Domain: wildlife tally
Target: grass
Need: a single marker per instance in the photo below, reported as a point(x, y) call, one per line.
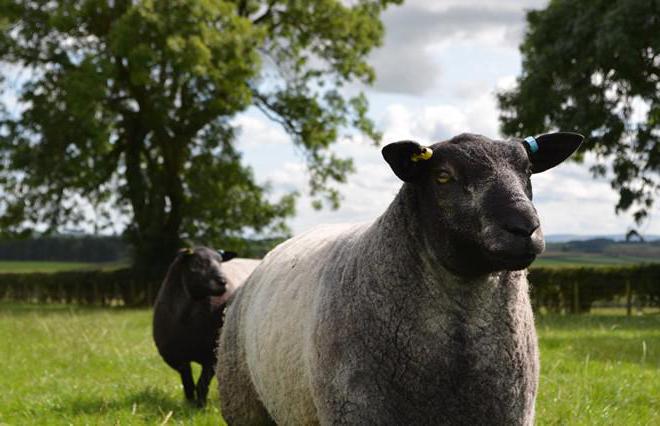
point(88, 366)
point(27, 266)
point(68, 365)
point(576, 259)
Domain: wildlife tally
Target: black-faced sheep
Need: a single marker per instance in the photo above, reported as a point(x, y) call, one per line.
point(188, 312)
point(421, 317)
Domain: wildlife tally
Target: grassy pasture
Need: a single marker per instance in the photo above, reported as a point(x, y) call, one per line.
point(28, 266)
point(68, 365)
point(578, 259)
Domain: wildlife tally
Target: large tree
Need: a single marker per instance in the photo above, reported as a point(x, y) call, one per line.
point(593, 66)
point(127, 106)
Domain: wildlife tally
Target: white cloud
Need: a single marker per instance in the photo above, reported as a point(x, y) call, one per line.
point(418, 33)
point(256, 131)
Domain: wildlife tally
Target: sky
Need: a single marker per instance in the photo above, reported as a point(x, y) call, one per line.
point(438, 70)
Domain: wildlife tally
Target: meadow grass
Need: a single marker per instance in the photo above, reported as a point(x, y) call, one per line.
point(28, 266)
point(72, 365)
point(575, 260)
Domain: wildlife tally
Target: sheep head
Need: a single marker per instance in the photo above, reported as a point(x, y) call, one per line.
point(472, 197)
point(201, 271)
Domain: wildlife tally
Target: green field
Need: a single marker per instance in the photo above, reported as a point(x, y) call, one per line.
point(65, 365)
point(577, 259)
point(27, 266)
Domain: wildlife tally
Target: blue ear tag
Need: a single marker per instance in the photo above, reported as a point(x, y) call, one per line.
point(531, 142)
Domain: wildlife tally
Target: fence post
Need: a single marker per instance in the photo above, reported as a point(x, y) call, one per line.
point(628, 298)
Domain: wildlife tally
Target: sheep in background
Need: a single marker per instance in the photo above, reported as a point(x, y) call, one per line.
point(421, 317)
point(188, 312)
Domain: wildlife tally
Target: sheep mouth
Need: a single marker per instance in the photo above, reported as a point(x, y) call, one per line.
point(515, 252)
point(511, 261)
point(220, 298)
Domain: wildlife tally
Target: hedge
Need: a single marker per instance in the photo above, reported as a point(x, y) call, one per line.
point(104, 288)
point(571, 290)
point(575, 290)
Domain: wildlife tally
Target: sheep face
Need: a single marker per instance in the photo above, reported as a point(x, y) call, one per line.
point(473, 198)
point(203, 276)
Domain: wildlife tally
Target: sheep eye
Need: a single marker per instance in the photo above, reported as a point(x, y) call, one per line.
point(444, 176)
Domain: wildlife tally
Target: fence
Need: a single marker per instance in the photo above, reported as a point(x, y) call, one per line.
point(569, 290)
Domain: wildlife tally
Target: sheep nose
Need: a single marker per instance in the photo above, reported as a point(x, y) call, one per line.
point(521, 224)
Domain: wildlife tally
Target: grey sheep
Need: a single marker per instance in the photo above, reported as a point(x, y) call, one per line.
point(421, 317)
point(188, 312)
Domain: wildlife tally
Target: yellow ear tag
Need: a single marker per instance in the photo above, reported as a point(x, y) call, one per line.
point(424, 155)
point(188, 250)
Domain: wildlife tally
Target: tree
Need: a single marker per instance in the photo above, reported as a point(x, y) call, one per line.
point(128, 105)
point(593, 66)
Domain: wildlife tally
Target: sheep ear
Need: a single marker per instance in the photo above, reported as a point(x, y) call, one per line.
point(227, 255)
point(548, 150)
point(407, 159)
point(185, 252)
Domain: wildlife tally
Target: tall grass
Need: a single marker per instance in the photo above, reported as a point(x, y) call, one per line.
point(66, 365)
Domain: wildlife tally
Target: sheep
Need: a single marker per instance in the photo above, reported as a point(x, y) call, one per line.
point(188, 312)
point(421, 317)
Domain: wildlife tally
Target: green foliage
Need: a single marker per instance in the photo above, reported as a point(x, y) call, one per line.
point(73, 365)
point(127, 106)
point(112, 287)
point(586, 64)
point(84, 248)
point(575, 289)
point(565, 289)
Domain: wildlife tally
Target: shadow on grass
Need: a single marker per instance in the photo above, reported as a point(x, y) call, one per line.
point(150, 404)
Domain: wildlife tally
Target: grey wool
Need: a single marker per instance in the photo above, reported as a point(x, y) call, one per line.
point(421, 317)
point(188, 312)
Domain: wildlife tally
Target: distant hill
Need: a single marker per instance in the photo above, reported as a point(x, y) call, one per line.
point(561, 238)
point(599, 252)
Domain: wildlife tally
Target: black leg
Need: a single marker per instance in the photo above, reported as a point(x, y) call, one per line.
point(203, 383)
point(187, 380)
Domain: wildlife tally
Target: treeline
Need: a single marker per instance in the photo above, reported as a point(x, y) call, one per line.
point(577, 290)
point(650, 249)
point(65, 249)
point(564, 290)
point(90, 248)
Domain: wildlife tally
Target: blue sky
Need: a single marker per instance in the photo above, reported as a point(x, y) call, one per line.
point(438, 71)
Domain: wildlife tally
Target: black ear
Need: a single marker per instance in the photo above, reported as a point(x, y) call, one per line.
point(548, 150)
point(407, 159)
point(227, 255)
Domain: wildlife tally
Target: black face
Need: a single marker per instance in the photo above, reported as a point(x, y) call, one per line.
point(202, 274)
point(474, 199)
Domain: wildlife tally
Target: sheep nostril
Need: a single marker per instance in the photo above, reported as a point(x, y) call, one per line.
point(523, 227)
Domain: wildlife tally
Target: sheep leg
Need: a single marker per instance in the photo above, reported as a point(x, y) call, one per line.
point(187, 380)
point(203, 383)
